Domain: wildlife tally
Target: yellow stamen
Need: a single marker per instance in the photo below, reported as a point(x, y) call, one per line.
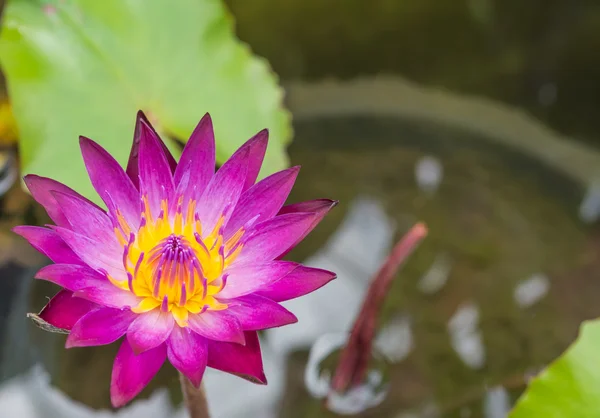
point(170, 265)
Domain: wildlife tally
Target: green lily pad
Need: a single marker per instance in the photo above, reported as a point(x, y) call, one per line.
point(570, 386)
point(84, 67)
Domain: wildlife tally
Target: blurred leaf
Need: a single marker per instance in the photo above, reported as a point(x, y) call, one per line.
point(84, 67)
point(570, 386)
point(8, 127)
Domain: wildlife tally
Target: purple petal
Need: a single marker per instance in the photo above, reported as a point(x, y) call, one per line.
point(187, 352)
point(245, 279)
point(107, 294)
point(156, 180)
point(263, 200)
point(256, 147)
point(110, 181)
point(99, 327)
point(197, 163)
point(217, 325)
point(242, 360)
point(222, 193)
point(41, 189)
point(149, 330)
point(319, 207)
point(63, 310)
point(257, 312)
point(88, 284)
point(93, 253)
point(86, 218)
point(49, 243)
point(131, 373)
point(132, 164)
point(71, 276)
point(271, 238)
point(299, 282)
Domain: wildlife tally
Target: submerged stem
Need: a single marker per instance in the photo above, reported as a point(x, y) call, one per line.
point(194, 398)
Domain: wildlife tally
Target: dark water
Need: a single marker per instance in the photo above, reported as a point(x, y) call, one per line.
point(500, 217)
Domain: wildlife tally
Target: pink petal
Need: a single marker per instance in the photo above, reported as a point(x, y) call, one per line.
point(49, 243)
point(249, 278)
point(132, 164)
point(256, 147)
point(63, 310)
point(88, 284)
point(242, 360)
point(187, 352)
point(41, 189)
point(107, 294)
point(110, 181)
point(156, 180)
point(99, 327)
point(217, 325)
point(271, 238)
point(86, 218)
point(319, 207)
point(93, 253)
point(131, 373)
point(263, 200)
point(149, 330)
point(197, 163)
point(297, 283)
point(71, 276)
point(257, 312)
point(222, 193)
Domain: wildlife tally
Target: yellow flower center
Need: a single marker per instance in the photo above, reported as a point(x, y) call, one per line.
point(171, 265)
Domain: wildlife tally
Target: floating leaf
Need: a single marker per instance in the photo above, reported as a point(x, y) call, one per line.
point(84, 67)
point(570, 386)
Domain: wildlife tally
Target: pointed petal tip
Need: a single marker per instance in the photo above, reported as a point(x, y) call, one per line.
point(327, 204)
point(141, 116)
point(257, 380)
point(85, 140)
point(71, 343)
point(118, 401)
point(30, 178)
point(207, 118)
point(262, 137)
point(19, 230)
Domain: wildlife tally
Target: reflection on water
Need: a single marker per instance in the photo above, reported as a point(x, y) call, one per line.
point(530, 291)
point(395, 340)
point(320, 368)
point(32, 396)
point(437, 275)
point(465, 337)
point(589, 209)
point(428, 174)
point(8, 170)
point(496, 403)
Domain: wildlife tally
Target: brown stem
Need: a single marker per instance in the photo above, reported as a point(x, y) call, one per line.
point(355, 356)
point(194, 398)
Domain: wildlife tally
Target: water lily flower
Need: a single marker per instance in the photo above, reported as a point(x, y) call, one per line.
point(185, 263)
